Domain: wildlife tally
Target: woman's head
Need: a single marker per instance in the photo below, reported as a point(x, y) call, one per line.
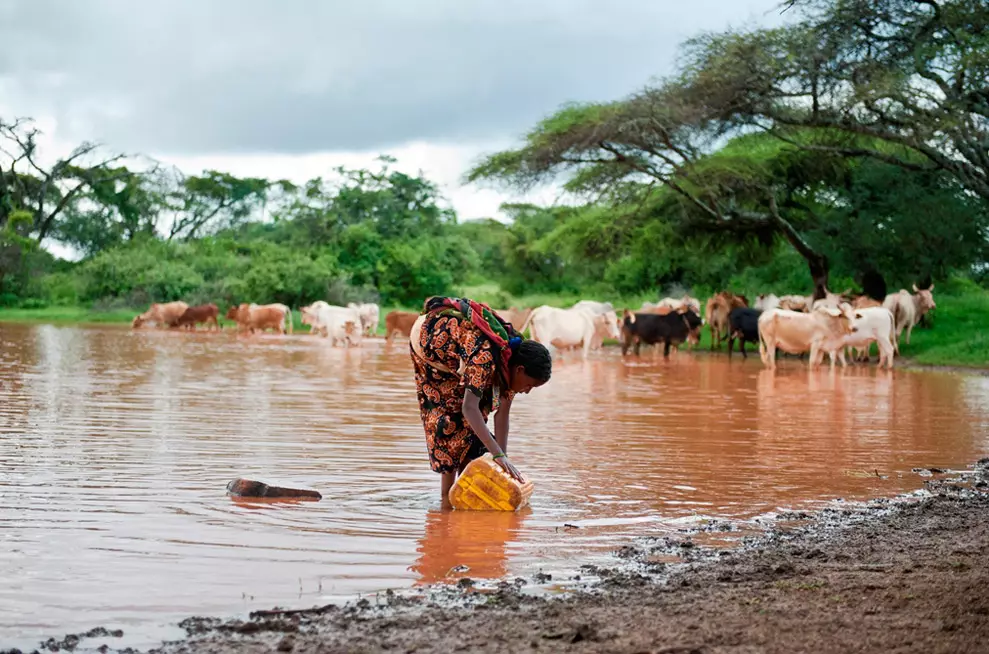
point(530, 366)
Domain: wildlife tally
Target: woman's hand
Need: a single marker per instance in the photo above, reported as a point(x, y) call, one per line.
point(510, 469)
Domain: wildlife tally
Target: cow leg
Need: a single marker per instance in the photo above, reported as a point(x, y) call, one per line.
point(885, 353)
point(666, 349)
point(909, 330)
point(731, 344)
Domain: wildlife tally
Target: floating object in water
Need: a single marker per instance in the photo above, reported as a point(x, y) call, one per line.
point(252, 488)
point(485, 486)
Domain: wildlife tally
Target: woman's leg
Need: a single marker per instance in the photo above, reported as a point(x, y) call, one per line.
point(447, 480)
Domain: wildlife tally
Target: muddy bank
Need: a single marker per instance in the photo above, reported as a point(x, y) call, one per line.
point(903, 576)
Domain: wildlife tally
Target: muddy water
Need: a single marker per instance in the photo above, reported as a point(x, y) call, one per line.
point(116, 446)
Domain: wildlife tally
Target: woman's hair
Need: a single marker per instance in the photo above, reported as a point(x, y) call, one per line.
point(534, 358)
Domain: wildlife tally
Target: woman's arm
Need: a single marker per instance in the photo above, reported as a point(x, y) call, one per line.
point(501, 421)
point(472, 412)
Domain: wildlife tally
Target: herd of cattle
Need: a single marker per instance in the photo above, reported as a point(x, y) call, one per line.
point(835, 324)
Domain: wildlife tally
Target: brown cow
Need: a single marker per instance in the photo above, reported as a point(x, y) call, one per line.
point(166, 314)
point(399, 322)
point(717, 311)
point(255, 317)
point(207, 313)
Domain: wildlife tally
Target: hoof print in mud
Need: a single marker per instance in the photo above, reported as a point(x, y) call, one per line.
point(252, 488)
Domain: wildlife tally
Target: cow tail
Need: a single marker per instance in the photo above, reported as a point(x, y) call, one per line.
point(288, 317)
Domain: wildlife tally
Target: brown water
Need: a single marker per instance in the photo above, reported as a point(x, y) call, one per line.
point(116, 446)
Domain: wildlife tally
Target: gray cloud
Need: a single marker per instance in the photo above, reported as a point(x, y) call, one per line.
point(235, 76)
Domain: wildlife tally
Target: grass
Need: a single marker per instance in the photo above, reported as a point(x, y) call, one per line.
point(956, 338)
point(66, 315)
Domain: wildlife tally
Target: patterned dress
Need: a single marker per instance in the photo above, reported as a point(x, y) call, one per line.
point(457, 344)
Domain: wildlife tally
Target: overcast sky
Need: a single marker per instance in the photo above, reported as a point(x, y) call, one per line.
point(292, 88)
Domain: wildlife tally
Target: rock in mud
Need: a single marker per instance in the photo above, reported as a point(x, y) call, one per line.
point(252, 488)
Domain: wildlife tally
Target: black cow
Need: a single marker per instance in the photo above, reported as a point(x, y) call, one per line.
point(651, 328)
point(743, 324)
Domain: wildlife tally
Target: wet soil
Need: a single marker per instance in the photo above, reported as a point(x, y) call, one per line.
point(905, 575)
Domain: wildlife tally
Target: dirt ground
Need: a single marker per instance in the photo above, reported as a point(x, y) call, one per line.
point(910, 576)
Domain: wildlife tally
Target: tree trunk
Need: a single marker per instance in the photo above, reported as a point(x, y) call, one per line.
point(816, 262)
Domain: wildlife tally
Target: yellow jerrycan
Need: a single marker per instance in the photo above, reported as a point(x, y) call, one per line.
point(485, 486)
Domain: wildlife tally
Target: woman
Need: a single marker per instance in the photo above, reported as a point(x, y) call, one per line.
point(468, 362)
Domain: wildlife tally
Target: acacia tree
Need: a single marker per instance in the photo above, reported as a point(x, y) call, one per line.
point(201, 204)
point(912, 73)
point(900, 81)
point(46, 192)
point(666, 136)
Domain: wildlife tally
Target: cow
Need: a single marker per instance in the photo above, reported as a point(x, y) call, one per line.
point(399, 322)
point(656, 308)
point(675, 304)
point(743, 324)
point(567, 328)
point(830, 299)
point(872, 324)
point(820, 331)
point(650, 328)
point(716, 312)
point(259, 317)
point(339, 324)
point(166, 314)
point(865, 302)
point(595, 307)
point(207, 313)
point(603, 328)
point(908, 309)
point(370, 314)
point(766, 302)
point(800, 303)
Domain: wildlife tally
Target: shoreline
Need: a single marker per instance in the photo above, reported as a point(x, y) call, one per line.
point(907, 573)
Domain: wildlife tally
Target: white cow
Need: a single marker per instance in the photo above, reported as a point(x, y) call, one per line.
point(606, 328)
point(564, 328)
point(339, 324)
point(872, 324)
point(370, 314)
point(596, 307)
point(830, 299)
point(766, 302)
point(908, 309)
point(819, 332)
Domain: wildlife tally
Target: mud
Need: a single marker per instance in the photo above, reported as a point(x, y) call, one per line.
point(903, 575)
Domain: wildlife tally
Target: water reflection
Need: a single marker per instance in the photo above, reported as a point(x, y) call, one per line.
point(116, 447)
point(471, 544)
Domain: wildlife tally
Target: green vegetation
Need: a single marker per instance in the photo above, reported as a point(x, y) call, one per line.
point(845, 149)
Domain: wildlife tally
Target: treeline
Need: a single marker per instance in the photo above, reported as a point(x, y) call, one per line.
point(847, 145)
